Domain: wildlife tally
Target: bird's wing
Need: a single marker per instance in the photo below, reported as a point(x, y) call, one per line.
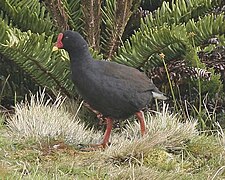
point(121, 83)
point(127, 76)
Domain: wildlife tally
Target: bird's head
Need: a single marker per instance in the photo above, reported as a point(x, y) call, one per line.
point(71, 41)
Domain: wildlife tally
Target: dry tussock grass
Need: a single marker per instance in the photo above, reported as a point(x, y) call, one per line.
point(129, 156)
point(43, 117)
point(164, 130)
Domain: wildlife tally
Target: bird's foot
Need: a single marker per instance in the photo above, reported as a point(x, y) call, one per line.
point(95, 147)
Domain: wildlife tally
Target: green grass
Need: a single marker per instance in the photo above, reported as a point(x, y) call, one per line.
point(43, 141)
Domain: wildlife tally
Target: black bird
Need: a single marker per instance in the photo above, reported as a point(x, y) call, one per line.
point(114, 90)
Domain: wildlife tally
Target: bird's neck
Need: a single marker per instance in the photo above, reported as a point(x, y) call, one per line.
point(80, 63)
point(80, 58)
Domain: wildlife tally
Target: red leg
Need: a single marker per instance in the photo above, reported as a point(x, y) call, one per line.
point(104, 144)
point(109, 124)
point(141, 118)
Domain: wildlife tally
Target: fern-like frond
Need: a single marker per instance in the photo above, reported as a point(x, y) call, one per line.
point(27, 15)
point(144, 47)
point(206, 28)
point(178, 11)
point(33, 53)
point(74, 13)
point(175, 41)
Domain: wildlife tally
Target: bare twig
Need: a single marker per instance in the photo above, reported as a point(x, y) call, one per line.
point(92, 17)
point(59, 13)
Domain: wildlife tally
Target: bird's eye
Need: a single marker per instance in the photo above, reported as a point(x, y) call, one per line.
point(66, 37)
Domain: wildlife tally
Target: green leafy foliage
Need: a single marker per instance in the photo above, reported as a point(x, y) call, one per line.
point(174, 41)
point(27, 15)
point(177, 11)
point(206, 27)
point(74, 13)
point(33, 53)
point(164, 42)
point(139, 51)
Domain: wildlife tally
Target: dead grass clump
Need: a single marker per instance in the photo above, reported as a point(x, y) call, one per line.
point(170, 149)
point(164, 130)
point(43, 117)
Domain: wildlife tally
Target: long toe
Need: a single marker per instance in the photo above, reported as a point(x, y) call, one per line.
point(95, 147)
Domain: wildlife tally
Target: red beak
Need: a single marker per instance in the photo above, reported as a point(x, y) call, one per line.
point(58, 44)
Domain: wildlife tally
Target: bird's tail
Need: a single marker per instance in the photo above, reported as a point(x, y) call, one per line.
point(158, 95)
